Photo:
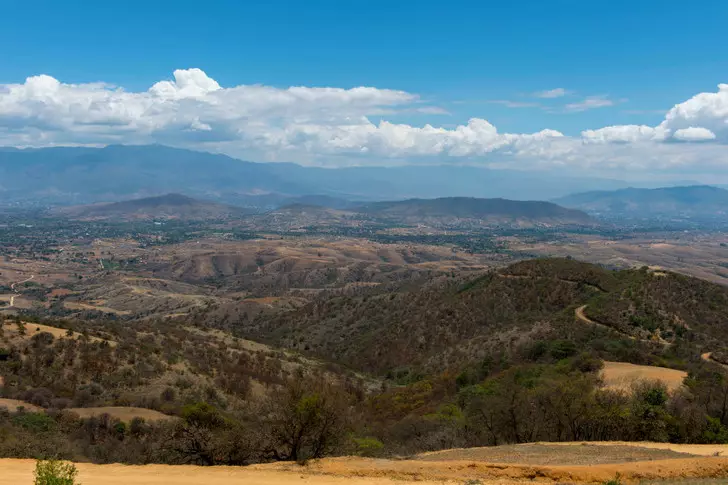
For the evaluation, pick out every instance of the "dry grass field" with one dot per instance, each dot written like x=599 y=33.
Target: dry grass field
x=622 y=376
x=13 y=333
x=122 y=413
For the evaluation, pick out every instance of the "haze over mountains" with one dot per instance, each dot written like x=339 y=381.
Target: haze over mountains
x=489 y=210
x=448 y=211
x=72 y=175
x=697 y=200
x=170 y=206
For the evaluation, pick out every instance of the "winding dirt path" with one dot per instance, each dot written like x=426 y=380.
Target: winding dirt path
x=12 y=287
x=708 y=357
x=581 y=315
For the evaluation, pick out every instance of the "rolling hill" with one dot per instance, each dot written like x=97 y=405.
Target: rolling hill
x=688 y=200
x=490 y=211
x=165 y=207
x=440 y=326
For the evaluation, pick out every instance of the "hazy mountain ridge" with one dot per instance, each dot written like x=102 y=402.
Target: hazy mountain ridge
x=73 y=175
x=493 y=210
x=696 y=199
x=448 y=211
x=169 y=206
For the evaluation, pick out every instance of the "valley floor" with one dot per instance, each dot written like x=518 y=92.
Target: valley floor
x=587 y=463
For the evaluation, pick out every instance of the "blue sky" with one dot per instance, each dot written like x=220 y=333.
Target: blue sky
x=630 y=61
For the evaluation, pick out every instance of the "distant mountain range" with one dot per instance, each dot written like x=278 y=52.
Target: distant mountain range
x=72 y=175
x=448 y=211
x=445 y=212
x=170 y=206
x=696 y=200
x=489 y=210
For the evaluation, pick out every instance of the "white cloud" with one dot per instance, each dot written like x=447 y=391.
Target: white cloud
x=515 y=104
x=551 y=93
x=694 y=133
x=188 y=83
x=314 y=125
x=706 y=110
x=624 y=134
x=590 y=102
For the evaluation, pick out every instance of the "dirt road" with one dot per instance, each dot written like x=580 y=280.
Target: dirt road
x=708 y=357
x=580 y=314
x=12 y=287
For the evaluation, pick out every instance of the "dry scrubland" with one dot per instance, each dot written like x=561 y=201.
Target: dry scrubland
x=587 y=463
x=173 y=280
x=701 y=256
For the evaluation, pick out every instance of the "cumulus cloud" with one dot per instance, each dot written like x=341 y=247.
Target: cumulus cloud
x=310 y=124
x=694 y=133
x=704 y=110
x=624 y=134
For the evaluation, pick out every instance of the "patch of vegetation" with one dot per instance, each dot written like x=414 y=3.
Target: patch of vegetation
x=53 y=472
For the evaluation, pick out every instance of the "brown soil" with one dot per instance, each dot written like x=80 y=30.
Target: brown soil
x=20 y=472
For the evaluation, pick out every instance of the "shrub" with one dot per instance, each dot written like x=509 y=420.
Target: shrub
x=53 y=472
x=368 y=446
x=562 y=349
x=36 y=422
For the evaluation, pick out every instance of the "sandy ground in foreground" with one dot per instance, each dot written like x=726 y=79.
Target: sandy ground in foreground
x=566 y=463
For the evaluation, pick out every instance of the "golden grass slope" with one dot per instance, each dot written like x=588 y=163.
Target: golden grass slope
x=623 y=376
x=122 y=413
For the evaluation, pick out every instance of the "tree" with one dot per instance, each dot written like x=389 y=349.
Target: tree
x=194 y=438
x=309 y=420
x=649 y=413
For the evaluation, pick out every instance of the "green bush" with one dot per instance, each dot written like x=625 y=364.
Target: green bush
x=36 y=422
x=53 y=472
x=368 y=446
